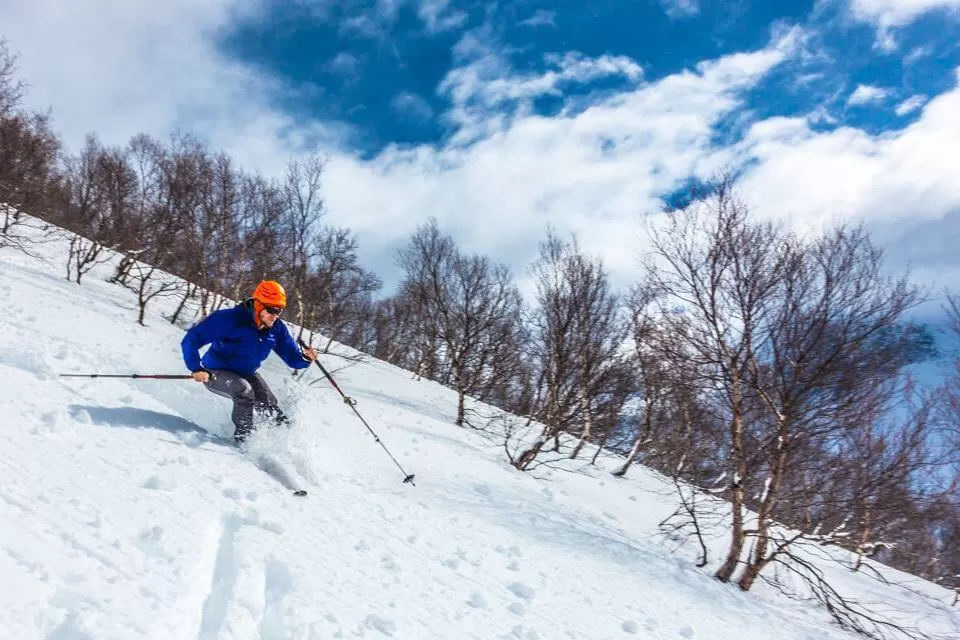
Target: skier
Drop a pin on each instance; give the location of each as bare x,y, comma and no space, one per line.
240,339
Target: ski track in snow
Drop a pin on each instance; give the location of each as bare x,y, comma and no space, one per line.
126,514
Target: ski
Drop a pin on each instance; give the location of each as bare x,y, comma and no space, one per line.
269,467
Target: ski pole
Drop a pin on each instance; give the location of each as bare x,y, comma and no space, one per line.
353,405
154,376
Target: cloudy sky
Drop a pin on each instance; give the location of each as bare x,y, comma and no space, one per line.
498,118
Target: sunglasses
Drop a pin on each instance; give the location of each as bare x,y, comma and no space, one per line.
274,311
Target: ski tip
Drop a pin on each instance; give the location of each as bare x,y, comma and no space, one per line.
299,493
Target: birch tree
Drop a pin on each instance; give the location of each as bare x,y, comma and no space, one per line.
576,332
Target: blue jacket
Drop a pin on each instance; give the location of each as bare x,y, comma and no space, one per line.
236,344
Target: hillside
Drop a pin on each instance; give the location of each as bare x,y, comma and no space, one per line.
122,517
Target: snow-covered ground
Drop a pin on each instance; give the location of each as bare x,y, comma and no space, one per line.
121,518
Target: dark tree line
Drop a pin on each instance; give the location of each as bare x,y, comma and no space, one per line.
746,363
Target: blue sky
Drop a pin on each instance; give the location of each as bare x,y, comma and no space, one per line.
501,118
379,65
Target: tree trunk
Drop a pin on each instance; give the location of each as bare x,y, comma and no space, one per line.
864,537
524,459
461,407
737,536
750,574
587,422
123,270
759,558
641,440
600,446
182,304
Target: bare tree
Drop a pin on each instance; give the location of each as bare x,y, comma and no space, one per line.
721,271
304,206
148,285
262,208
82,256
393,332
950,396
11,88
83,209
826,372
789,331
651,368
462,306
577,333
28,156
340,286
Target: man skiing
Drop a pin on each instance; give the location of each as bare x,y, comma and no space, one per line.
240,339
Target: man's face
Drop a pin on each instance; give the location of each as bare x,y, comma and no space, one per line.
269,315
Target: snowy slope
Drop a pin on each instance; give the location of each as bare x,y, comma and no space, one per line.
121,518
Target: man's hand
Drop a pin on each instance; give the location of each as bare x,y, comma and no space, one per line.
309,354
200,376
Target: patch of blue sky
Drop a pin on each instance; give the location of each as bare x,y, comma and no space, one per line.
842,78
378,66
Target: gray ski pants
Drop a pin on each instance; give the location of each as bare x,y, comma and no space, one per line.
249,394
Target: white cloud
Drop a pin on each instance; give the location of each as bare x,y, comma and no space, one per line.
591,170
540,18
386,10
363,26
410,104
865,94
910,105
437,15
917,53
487,93
896,13
118,70
343,64
810,179
680,9
887,15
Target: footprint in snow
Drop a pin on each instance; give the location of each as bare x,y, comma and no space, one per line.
510,552
150,541
383,625
158,484
70,629
519,633
477,601
52,422
521,590
389,563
